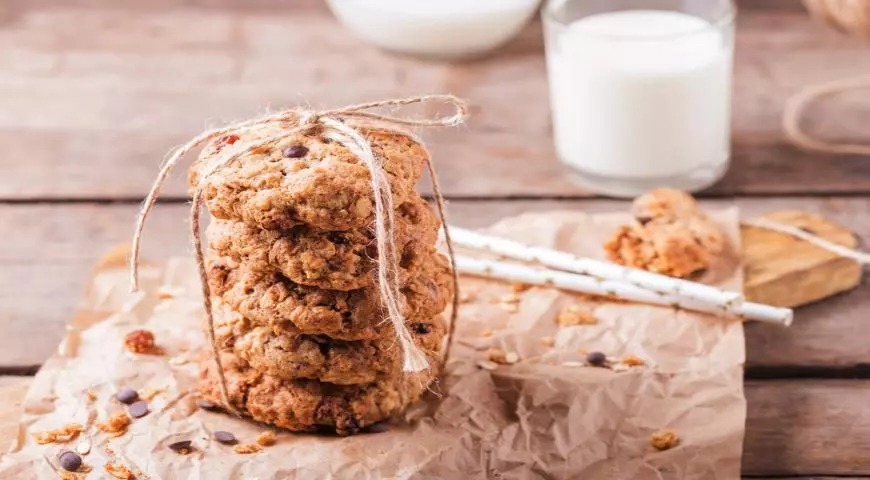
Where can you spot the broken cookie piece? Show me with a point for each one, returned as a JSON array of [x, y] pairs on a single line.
[[664, 440], [670, 236]]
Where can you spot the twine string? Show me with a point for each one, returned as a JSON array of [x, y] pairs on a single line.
[[846, 252], [794, 109], [294, 122]]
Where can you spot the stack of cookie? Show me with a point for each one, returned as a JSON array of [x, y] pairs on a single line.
[[292, 266]]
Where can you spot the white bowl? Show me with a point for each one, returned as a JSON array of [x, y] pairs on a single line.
[[435, 28]]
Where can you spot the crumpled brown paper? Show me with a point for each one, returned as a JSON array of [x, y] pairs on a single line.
[[538, 418]]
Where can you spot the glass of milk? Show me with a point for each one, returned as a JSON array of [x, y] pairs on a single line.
[[640, 91]]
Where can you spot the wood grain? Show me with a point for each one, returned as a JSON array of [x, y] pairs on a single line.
[[48, 251], [92, 98], [784, 432], [807, 427]]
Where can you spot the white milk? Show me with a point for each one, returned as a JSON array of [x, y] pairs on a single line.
[[443, 28], [641, 94]]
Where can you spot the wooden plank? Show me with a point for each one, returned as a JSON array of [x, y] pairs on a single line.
[[793, 428], [49, 250], [94, 97], [811, 427]]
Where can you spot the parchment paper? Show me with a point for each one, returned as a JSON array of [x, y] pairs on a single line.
[[535, 419]]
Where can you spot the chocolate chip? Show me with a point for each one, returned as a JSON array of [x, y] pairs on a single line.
[[127, 395], [182, 447], [596, 359], [337, 238], [351, 426], [379, 428], [407, 258], [205, 404], [226, 438], [421, 328], [643, 220], [70, 461], [138, 409], [296, 151]]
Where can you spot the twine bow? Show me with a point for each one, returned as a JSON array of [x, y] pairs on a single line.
[[330, 124]]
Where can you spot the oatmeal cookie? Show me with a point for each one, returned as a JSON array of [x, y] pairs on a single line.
[[339, 260], [288, 355], [269, 299], [306, 180], [672, 236], [309, 405], [664, 203]]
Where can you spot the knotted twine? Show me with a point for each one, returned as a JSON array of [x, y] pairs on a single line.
[[329, 124]]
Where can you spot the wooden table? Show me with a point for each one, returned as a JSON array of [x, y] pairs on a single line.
[[94, 92]]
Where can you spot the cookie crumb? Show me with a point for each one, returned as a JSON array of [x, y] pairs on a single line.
[[116, 424], [90, 396], [166, 292], [84, 447], [467, 297], [512, 298], [548, 341], [175, 361], [183, 447], [633, 361], [520, 287], [64, 475], [664, 440], [44, 438], [247, 448], [486, 333], [141, 341], [151, 393], [120, 472], [510, 307], [266, 438], [573, 315], [206, 405], [487, 365], [64, 434], [498, 355]]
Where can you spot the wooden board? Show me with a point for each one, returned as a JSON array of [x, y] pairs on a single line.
[[93, 95], [784, 436], [49, 250], [784, 271]]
